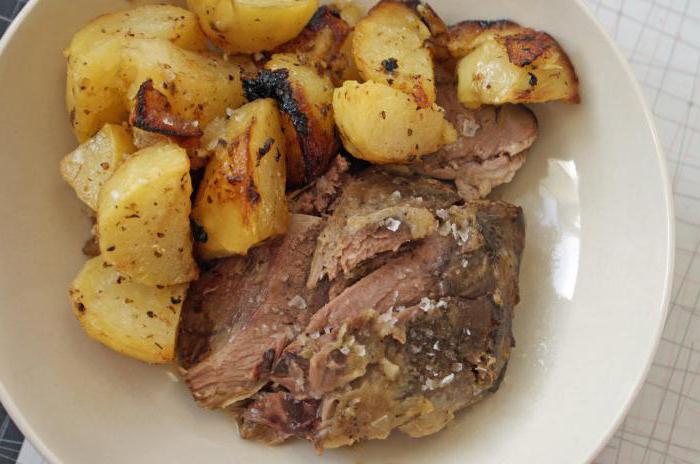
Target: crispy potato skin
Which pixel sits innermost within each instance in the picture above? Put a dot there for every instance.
(198, 86)
(89, 166)
(383, 125)
(321, 39)
(131, 318)
(250, 26)
(326, 43)
(152, 112)
(241, 200)
(93, 87)
(143, 217)
(305, 99)
(502, 62)
(389, 46)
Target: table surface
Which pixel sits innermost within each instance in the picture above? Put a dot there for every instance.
(661, 40)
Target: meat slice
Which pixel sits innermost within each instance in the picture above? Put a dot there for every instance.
(490, 148)
(240, 314)
(377, 213)
(319, 197)
(424, 335)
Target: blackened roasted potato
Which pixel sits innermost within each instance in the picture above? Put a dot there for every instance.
(305, 99)
(241, 200)
(94, 89)
(502, 62)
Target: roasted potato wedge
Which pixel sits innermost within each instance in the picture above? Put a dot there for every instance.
(389, 45)
(343, 67)
(349, 11)
(502, 62)
(89, 166)
(241, 200)
(382, 125)
(143, 217)
(131, 318)
(94, 90)
(198, 87)
(321, 39)
(305, 99)
(249, 26)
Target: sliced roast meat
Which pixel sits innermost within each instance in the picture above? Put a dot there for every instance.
(406, 346)
(240, 314)
(377, 213)
(319, 197)
(490, 148)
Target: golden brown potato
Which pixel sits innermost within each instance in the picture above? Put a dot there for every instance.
(143, 217)
(198, 87)
(94, 91)
(88, 167)
(241, 200)
(343, 67)
(249, 26)
(131, 318)
(321, 39)
(349, 11)
(389, 45)
(305, 99)
(383, 125)
(502, 62)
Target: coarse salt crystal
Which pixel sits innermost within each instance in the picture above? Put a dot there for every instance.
(443, 214)
(430, 384)
(441, 304)
(396, 195)
(345, 350)
(297, 302)
(392, 224)
(229, 112)
(456, 367)
(426, 304)
(360, 350)
(436, 346)
(445, 228)
(447, 380)
(314, 335)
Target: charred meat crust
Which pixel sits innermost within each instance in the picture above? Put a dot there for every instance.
(153, 113)
(316, 145)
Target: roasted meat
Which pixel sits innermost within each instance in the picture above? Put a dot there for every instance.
(408, 298)
(424, 335)
(491, 145)
(319, 197)
(241, 313)
(377, 213)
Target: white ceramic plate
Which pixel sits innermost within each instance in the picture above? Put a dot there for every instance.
(595, 275)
